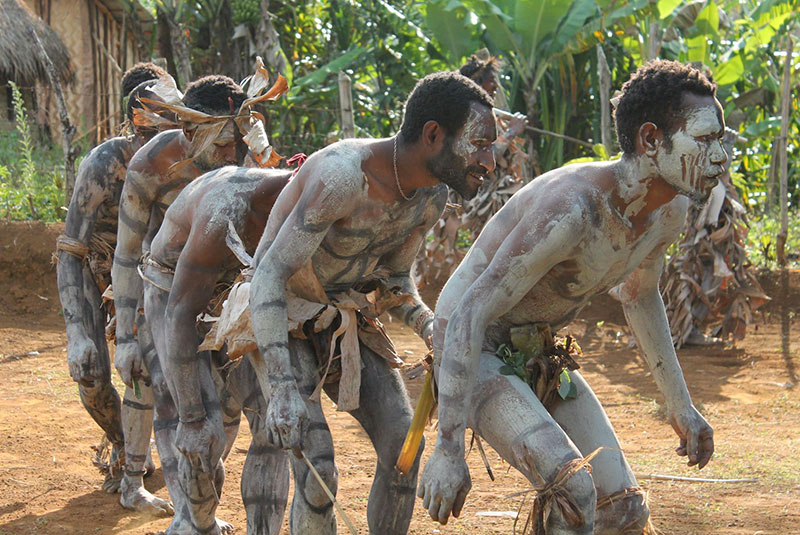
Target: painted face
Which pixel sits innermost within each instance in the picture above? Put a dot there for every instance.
(696, 159)
(466, 156)
(227, 149)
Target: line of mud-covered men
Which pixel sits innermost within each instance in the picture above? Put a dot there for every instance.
(180, 218)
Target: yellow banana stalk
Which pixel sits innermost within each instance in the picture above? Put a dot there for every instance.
(414, 435)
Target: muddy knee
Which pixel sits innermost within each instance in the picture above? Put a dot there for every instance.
(315, 496)
(623, 513)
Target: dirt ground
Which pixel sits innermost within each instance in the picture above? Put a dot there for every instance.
(748, 391)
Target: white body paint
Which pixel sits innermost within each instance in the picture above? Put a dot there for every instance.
(567, 236)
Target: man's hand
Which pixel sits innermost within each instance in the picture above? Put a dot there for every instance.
(83, 362)
(444, 485)
(287, 418)
(197, 441)
(697, 437)
(128, 362)
(516, 125)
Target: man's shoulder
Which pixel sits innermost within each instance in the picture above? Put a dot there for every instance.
(107, 151)
(338, 167)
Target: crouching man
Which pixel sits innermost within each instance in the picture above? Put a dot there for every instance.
(569, 235)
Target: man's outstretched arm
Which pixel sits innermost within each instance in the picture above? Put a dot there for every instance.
(525, 251)
(89, 194)
(199, 267)
(134, 215)
(647, 318)
(297, 237)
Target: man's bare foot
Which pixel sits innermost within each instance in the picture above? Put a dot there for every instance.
(136, 497)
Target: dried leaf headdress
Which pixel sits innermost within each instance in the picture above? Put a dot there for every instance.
(206, 128)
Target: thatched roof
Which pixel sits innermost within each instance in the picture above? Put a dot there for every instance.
(19, 58)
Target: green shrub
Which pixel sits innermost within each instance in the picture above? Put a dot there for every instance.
(31, 176)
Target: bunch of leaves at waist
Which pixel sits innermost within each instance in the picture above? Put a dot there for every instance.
(529, 344)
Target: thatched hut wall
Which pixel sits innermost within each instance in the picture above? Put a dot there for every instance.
(20, 61)
(100, 40)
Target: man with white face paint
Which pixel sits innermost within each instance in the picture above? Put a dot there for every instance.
(341, 237)
(569, 235)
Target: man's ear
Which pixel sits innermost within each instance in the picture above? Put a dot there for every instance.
(432, 136)
(188, 133)
(649, 138)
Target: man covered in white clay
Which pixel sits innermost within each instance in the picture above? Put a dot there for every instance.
(85, 253)
(353, 217)
(569, 235)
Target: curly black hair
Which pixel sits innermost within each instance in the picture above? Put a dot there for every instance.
(443, 97)
(480, 70)
(214, 94)
(141, 72)
(654, 94)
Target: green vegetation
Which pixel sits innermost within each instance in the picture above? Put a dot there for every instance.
(31, 176)
(551, 54)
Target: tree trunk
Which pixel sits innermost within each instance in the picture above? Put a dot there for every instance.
(67, 129)
(604, 75)
(182, 50)
(165, 43)
(772, 173)
(268, 43)
(785, 119)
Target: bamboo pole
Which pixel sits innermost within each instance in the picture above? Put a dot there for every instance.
(346, 106)
(67, 128)
(785, 118)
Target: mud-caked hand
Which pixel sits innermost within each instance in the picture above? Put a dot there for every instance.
(696, 436)
(287, 417)
(201, 443)
(128, 362)
(83, 361)
(444, 485)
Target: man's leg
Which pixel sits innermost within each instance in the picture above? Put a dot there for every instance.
(100, 398)
(509, 416)
(134, 420)
(194, 495)
(312, 511)
(231, 404)
(265, 476)
(586, 423)
(385, 414)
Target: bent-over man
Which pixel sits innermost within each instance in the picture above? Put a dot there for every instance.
(345, 230)
(567, 236)
(189, 267)
(84, 272)
(157, 173)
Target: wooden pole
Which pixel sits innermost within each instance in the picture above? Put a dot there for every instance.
(785, 118)
(604, 75)
(346, 105)
(67, 129)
